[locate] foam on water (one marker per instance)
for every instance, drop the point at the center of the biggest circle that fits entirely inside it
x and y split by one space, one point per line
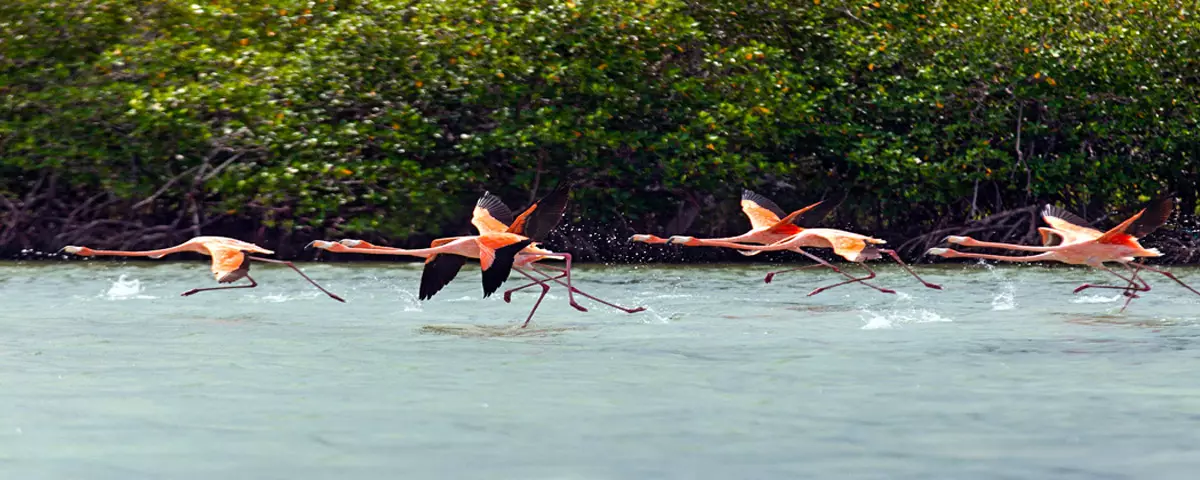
1096 298
123 289
892 318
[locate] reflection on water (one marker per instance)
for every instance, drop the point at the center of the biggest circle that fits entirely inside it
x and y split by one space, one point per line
1004 374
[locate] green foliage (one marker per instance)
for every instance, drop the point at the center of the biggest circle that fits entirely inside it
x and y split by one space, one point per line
368 116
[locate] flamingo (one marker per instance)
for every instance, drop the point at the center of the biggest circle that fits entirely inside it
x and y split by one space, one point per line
496 253
1066 240
230 260
491 214
493 220
854 247
774 233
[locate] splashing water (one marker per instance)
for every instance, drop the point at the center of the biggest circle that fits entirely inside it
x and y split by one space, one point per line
1096 299
890 319
1006 298
123 289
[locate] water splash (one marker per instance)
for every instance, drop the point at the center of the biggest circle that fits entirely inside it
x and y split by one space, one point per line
1006 299
891 319
123 289
1096 299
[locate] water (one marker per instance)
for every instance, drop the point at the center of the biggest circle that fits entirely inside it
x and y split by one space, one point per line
108 373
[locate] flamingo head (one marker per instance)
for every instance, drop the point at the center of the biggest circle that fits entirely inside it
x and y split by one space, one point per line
647 239
326 245
683 240
83 251
943 252
957 240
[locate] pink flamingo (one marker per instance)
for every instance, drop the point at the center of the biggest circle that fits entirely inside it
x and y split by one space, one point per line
1068 241
851 246
774 233
230 260
443 260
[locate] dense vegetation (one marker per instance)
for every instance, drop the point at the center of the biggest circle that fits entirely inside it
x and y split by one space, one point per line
130 123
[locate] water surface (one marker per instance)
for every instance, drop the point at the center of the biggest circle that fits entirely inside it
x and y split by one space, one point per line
108 373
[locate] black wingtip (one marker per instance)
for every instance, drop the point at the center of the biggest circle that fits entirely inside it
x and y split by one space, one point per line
762 201
538 223
1157 212
495 207
1059 212
497 274
438 273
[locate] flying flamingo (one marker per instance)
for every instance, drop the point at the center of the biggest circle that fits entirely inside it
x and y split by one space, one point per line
491 214
230 260
774 233
536 221
496 253
1068 241
851 246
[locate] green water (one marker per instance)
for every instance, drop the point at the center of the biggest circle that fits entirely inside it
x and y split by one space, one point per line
108 373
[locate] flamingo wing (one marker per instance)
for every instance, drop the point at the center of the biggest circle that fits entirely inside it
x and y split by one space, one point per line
788 224
1118 235
1069 223
501 266
491 215
850 246
226 261
438 272
540 218
762 212
1156 214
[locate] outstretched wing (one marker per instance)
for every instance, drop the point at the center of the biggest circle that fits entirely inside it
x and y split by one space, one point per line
438 272
1155 215
762 212
491 215
1117 234
540 218
850 246
788 224
226 261
501 266
1069 224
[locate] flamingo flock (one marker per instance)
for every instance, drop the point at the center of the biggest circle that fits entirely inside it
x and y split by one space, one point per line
506 242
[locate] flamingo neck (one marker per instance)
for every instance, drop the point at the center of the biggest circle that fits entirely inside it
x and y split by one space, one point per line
140 253
1007 258
1010 246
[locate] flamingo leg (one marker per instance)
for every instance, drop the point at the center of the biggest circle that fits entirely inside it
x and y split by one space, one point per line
1132 283
892 253
293 267
771 275
198 290
508 294
1129 295
870 275
1168 275
567 273
823 263
545 289
581 292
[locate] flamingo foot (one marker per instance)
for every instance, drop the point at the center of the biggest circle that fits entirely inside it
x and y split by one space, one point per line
507 297
933 286
770 276
578 307
638 309
1082 288
189 292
